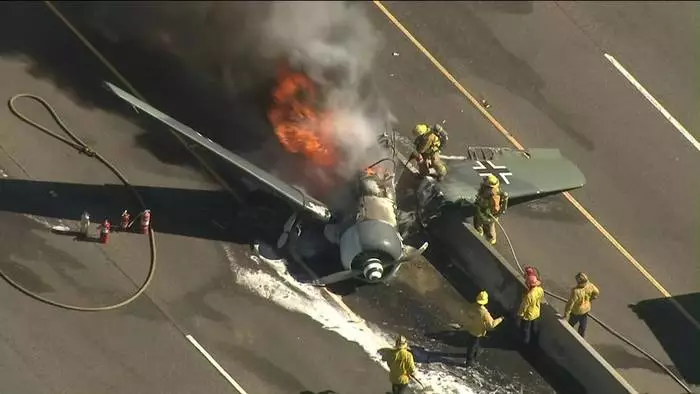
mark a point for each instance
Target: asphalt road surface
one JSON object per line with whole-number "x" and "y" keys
{"x": 197, "y": 290}
{"x": 550, "y": 87}
{"x": 542, "y": 68}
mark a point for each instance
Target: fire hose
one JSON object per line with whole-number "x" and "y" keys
{"x": 81, "y": 147}
{"x": 601, "y": 323}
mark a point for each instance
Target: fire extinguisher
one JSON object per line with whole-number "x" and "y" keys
{"x": 104, "y": 231}
{"x": 84, "y": 224}
{"x": 145, "y": 221}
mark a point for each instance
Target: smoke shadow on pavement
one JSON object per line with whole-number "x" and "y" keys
{"x": 62, "y": 59}
{"x": 236, "y": 122}
{"x": 679, "y": 338}
{"x": 72, "y": 69}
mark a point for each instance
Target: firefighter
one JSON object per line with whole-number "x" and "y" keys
{"x": 479, "y": 323}
{"x": 579, "y": 303}
{"x": 490, "y": 202}
{"x": 401, "y": 366}
{"x": 529, "y": 311}
{"x": 427, "y": 143}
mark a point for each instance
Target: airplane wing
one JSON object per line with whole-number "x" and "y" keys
{"x": 295, "y": 196}
{"x": 524, "y": 175}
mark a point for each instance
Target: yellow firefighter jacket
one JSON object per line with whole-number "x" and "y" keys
{"x": 402, "y": 366}
{"x": 530, "y": 305}
{"x": 580, "y": 299}
{"x": 488, "y": 204}
{"x": 480, "y": 321}
{"x": 427, "y": 144}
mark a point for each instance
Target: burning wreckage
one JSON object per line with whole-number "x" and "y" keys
{"x": 368, "y": 237}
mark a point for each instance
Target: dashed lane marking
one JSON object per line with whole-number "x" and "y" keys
{"x": 685, "y": 133}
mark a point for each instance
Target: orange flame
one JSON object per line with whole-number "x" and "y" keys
{"x": 299, "y": 126}
{"x": 370, "y": 171}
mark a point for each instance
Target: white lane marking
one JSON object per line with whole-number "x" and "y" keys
{"x": 653, "y": 101}
{"x": 215, "y": 364}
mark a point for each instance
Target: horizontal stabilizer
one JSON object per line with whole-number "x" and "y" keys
{"x": 524, "y": 175}
{"x": 297, "y": 197}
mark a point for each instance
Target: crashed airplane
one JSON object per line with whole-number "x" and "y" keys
{"x": 368, "y": 238}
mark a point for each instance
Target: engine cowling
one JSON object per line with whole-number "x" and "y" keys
{"x": 368, "y": 246}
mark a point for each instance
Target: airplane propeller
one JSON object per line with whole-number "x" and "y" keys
{"x": 349, "y": 274}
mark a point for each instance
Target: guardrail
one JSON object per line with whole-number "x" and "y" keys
{"x": 557, "y": 340}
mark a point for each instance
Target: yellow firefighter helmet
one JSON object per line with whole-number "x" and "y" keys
{"x": 581, "y": 277}
{"x": 491, "y": 180}
{"x": 482, "y": 298}
{"x": 420, "y": 129}
{"x": 401, "y": 341}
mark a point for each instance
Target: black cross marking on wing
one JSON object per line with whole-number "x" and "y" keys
{"x": 486, "y": 168}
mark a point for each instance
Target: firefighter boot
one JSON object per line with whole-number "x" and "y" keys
{"x": 491, "y": 235}
{"x": 477, "y": 226}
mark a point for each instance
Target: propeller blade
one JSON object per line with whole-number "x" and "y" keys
{"x": 336, "y": 277}
{"x": 397, "y": 263}
{"x": 290, "y": 222}
{"x": 284, "y": 237}
{"x": 412, "y": 255}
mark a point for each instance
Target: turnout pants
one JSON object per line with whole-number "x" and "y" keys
{"x": 432, "y": 160}
{"x": 473, "y": 348}
{"x": 582, "y": 321}
{"x": 484, "y": 227}
{"x": 399, "y": 388}
{"x": 530, "y": 329}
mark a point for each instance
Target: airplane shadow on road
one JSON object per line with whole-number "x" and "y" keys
{"x": 679, "y": 338}
{"x": 187, "y": 212}
{"x": 205, "y": 214}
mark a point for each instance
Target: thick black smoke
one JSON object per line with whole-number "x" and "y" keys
{"x": 239, "y": 44}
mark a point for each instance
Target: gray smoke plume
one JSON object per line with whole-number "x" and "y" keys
{"x": 237, "y": 45}
{"x": 335, "y": 45}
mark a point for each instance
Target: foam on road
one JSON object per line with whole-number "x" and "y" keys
{"x": 278, "y": 286}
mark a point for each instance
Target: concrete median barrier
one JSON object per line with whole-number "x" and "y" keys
{"x": 557, "y": 340}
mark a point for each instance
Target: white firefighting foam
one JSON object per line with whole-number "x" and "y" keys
{"x": 281, "y": 288}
